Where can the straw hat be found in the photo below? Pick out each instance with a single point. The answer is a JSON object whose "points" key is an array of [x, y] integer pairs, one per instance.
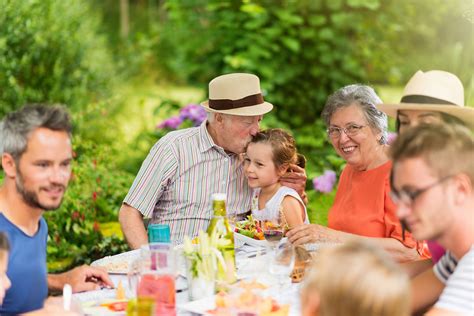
{"points": [[236, 94], [434, 90]]}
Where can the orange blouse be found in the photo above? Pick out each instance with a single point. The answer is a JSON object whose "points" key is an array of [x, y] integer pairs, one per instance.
{"points": [[363, 207]]}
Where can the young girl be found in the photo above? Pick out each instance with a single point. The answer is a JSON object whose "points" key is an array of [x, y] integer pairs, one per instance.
{"points": [[356, 278], [4, 280], [268, 156]]}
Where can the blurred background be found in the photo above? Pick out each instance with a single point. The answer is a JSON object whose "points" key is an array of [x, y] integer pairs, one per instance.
{"points": [[132, 70]]}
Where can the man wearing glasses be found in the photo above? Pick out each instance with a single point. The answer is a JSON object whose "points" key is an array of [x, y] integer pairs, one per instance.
{"points": [[433, 187]]}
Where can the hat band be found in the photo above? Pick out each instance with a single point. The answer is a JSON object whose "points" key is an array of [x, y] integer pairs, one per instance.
{"points": [[226, 104], [423, 99]]}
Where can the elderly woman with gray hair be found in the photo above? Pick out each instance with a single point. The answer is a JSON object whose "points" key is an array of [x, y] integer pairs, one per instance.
{"points": [[362, 207]]}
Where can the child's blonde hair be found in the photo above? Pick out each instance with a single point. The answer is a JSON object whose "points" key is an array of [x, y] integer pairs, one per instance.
{"points": [[358, 278], [283, 147]]}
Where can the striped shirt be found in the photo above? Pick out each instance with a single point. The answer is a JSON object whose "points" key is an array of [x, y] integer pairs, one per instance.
{"points": [[179, 175], [458, 277]]}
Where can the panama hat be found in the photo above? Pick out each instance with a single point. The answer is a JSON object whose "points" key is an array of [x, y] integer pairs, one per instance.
{"points": [[434, 90], [236, 94]]}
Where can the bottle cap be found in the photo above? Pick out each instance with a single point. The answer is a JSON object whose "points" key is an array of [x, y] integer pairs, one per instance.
{"points": [[159, 233], [219, 197]]}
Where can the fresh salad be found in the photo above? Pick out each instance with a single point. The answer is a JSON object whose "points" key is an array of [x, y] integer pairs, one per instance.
{"points": [[250, 228]]}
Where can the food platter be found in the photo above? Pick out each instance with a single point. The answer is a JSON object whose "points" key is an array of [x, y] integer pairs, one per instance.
{"points": [[240, 240], [118, 264]]}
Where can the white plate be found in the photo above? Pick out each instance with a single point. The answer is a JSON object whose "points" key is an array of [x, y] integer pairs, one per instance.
{"points": [[201, 306], [95, 309], [118, 264], [240, 240]]}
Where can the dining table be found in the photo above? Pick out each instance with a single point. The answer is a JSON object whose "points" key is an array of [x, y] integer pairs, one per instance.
{"points": [[251, 263]]}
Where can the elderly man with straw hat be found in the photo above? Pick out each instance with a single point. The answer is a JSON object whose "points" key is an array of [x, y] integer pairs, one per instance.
{"points": [[176, 180]]}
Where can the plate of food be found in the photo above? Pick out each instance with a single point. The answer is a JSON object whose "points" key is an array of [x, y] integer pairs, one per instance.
{"points": [[249, 232], [118, 264], [244, 297], [105, 308]]}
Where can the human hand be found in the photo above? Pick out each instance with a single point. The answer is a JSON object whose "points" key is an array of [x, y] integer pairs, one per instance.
{"points": [[311, 233], [87, 278], [295, 178]]}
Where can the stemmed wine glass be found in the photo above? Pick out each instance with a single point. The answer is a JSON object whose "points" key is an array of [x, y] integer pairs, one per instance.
{"points": [[282, 263], [273, 232]]}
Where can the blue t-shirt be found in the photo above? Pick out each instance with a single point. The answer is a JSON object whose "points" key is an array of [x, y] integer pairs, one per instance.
{"points": [[26, 269]]}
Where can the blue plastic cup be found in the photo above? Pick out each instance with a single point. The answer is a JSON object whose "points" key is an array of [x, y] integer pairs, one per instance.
{"points": [[159, 233]]}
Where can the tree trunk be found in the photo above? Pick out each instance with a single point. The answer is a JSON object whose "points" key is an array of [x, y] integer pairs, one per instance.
{"points": [[124, 19]]}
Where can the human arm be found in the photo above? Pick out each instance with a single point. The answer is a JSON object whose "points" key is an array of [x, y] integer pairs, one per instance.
{"points": [[151, 181], [131, 222], [414, 268], [83, 278], [295, 178], [426, 289], [313, 233], [292, 211]]}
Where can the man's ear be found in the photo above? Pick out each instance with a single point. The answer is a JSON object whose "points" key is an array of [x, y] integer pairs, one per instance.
{"points": [[463, 188], [9, 165], [219, 118]]}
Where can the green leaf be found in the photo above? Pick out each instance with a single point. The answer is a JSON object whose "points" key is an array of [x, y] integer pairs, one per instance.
{"points": [[291, 43]]}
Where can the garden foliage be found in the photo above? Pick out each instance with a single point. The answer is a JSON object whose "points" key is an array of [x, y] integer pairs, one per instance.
{"points": [[305, 50], [94, 195], [51, 51]]}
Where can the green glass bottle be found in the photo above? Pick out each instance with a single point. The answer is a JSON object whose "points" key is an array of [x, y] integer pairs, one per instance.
{"points": [[220, 225]]}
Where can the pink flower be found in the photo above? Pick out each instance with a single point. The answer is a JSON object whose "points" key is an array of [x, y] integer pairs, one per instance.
{"points": [[171, 123], [193, 112], [325, 182], [391, 137]]}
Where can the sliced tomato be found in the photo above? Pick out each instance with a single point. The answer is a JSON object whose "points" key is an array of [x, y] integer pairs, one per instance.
{"points": [[117, 306]]}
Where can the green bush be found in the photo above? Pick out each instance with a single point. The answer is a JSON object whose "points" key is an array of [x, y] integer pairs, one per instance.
{"points": [[305, 50], [94, 195], [301, 50], [51, 51]]}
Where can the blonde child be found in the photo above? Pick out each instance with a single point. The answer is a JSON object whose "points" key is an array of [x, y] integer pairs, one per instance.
{"points": [[4, 280], [268, 156], [356, 278]]}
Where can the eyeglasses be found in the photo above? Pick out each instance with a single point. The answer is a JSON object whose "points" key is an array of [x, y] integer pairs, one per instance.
{"points": [[408, 198], [351, 130]]}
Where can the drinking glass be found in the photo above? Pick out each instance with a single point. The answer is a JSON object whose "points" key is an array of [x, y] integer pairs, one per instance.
{"points": [[282, 263], [152, 276], [273, 232]]}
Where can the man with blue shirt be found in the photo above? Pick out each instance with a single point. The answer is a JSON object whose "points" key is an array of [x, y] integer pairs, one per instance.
{"points": [[35, 143]]}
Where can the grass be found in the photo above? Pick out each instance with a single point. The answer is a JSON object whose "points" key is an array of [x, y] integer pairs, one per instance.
{"points": [[140, 104]]}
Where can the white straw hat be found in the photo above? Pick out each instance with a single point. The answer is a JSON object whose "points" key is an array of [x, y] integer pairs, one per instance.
{"points": [[434, 90], [236, 94]]}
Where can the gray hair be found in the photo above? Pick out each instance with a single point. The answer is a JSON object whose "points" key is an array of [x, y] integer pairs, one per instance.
{"points": [[363, 96], [17, 126], [210, 117]]}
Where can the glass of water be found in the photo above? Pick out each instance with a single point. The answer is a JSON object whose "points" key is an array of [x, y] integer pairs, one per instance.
{"points": [[282, 263]]}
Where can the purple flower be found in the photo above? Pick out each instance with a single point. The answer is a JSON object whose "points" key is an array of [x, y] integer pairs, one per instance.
{"points": [[193, 112], [172, 123], [325, 182], [391, 137]]}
